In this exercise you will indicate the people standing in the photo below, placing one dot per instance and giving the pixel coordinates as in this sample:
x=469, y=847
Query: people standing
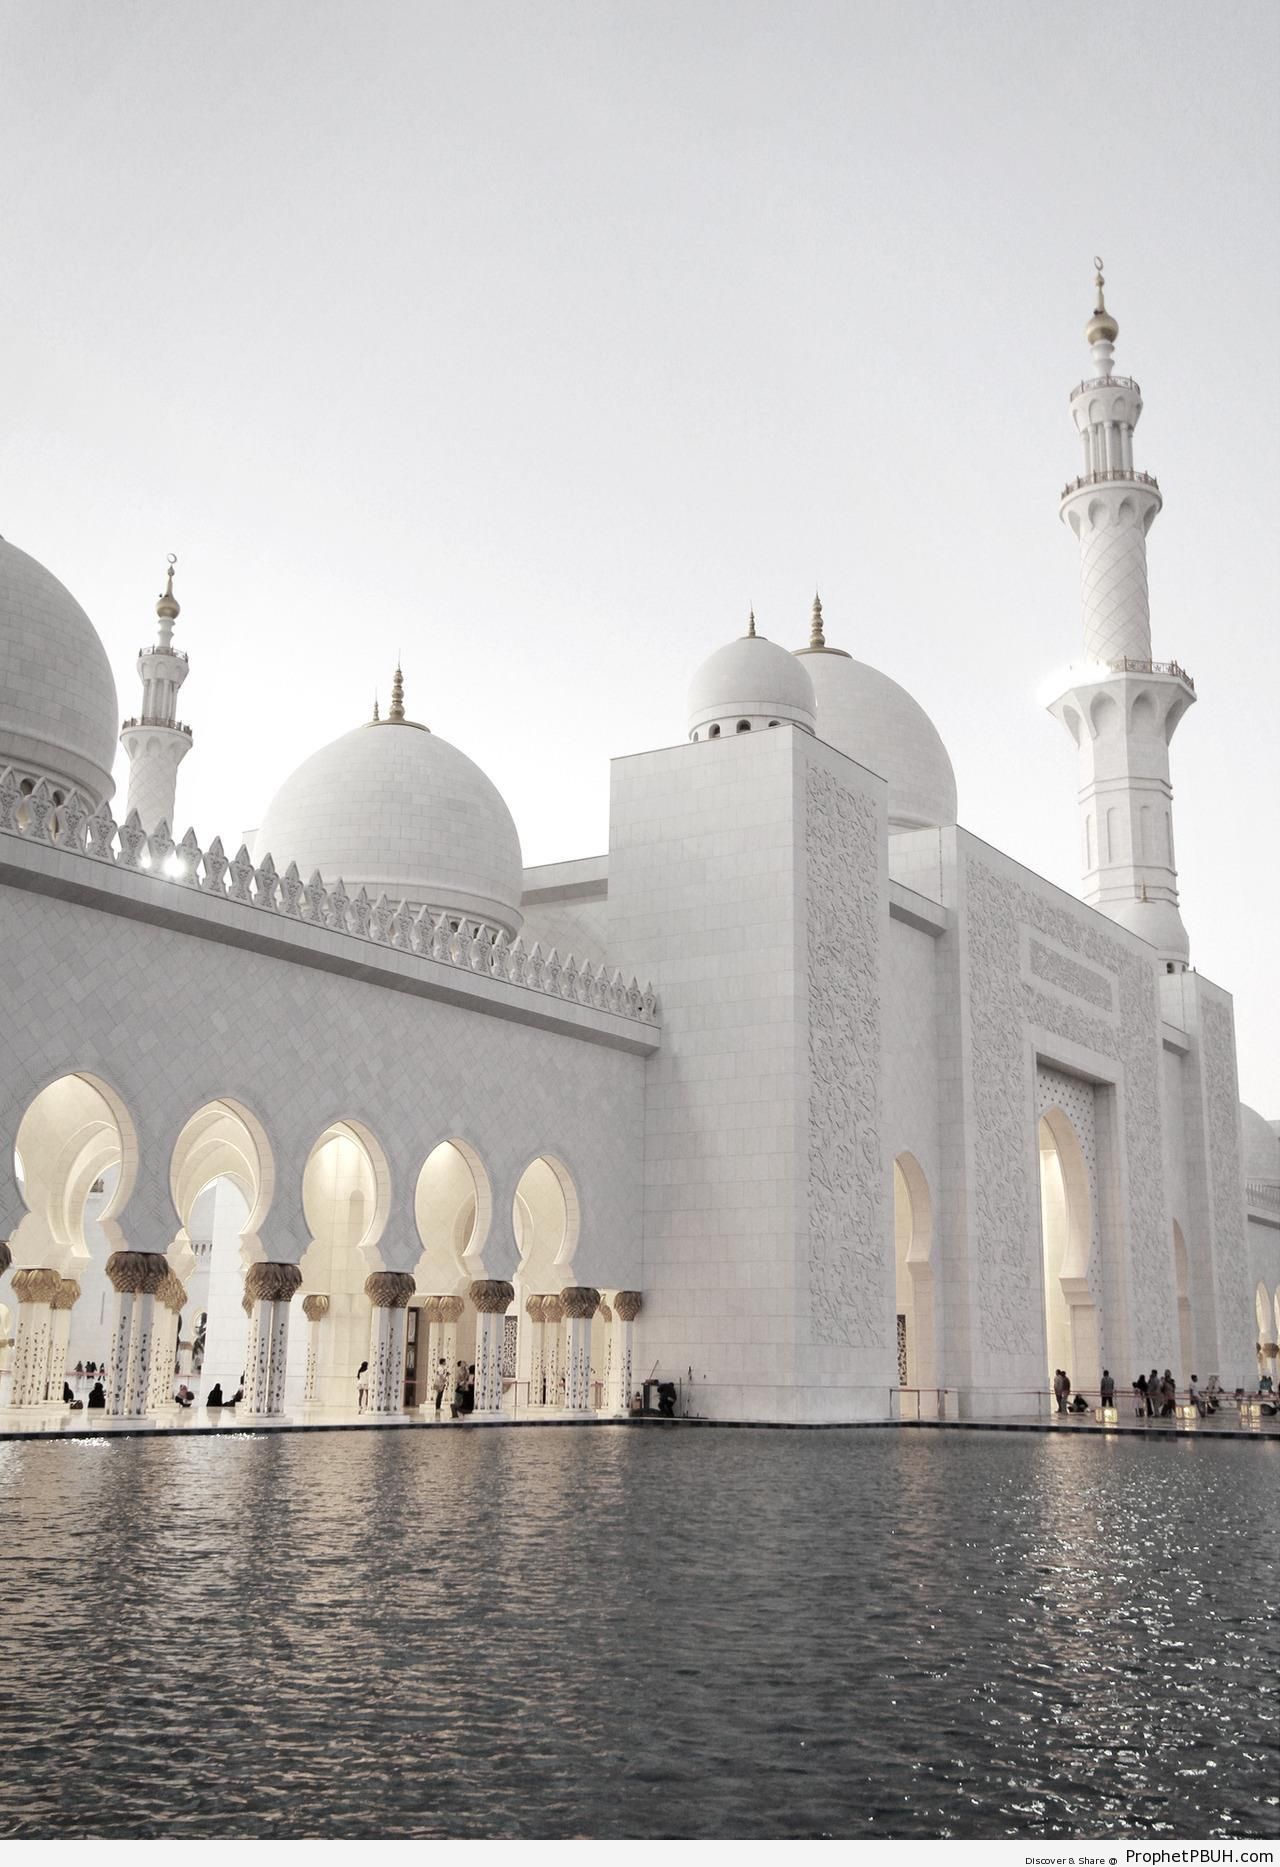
x=1060, y=1388
x=1142, y=1405
x=440, y=1382
x=362, y=1387
x=1153, y=1392
x=1107, y=1389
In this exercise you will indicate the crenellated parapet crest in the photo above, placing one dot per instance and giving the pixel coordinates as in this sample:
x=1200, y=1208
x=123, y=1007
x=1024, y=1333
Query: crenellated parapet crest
x=30, y=810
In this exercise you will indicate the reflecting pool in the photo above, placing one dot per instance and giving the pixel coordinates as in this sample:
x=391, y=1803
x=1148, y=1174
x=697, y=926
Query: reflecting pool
x=644, y=1632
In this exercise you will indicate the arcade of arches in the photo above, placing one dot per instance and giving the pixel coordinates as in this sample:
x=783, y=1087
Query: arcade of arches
x=332, y=1333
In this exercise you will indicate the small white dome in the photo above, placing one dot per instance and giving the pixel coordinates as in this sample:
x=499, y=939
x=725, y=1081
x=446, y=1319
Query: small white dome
x=1259, y=1146
x=754, y=681
x=59, y=717
x=868, y=717
x=396, y=810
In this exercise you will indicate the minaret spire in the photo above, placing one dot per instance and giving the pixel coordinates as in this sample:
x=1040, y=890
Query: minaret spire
x=1121, y=707
x=397, y=696
x=157, y=741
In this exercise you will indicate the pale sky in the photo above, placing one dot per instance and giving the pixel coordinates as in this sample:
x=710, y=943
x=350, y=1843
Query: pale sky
x=534, y=342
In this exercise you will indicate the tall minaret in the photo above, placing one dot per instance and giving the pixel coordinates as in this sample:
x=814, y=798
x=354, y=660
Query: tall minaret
x=157, y=741
x=1121, y=707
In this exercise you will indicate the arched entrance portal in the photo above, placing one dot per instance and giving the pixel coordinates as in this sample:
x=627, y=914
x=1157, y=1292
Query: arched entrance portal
x=1066, y=1226
x=1182, y=1284
x=344, y=1197
x=544, y=1215
x=913, y=1274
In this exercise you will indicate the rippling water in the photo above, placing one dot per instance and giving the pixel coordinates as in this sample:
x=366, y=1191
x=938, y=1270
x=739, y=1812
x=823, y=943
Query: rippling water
x=638, y=1632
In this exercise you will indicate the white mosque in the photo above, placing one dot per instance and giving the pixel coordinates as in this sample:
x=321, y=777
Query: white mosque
x=800, y=1097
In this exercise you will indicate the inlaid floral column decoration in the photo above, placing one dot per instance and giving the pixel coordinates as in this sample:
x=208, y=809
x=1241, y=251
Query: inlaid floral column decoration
x=626, y=1307
x=492, y=1297
x=450, y=1312
x=269, y=1289
x=171, y=1300
x=35, y=1291
x=552, y=1350
x=537, y=1330
x=63, y=1303
x=580, y=1305
x=389, y=1292
x=315, y=1308
x=135, y=1278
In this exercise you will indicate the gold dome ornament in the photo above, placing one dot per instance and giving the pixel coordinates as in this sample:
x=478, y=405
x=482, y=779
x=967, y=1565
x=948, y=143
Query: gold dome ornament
x=1102, y=327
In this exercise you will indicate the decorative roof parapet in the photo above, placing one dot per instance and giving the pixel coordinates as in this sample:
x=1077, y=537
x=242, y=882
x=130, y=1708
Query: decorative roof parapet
x=449, y=939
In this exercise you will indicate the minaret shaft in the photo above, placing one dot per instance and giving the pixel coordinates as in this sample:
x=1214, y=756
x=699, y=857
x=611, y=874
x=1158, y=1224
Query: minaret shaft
x=1120, y=707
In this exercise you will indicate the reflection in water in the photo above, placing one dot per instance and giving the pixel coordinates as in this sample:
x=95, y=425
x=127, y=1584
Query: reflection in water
x=637, y=1633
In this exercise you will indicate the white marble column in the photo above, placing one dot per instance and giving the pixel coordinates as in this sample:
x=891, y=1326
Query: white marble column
x=269, y=1289
x=492, y=1297
x=537, y=1333
x=580, y=1305
x=135, y=1277
x=451, y=1309
x=552, y=1350
x=389, y=1292
x=315, y=1308
x=35, y=1291
x=60, y=1335
x=626, y=1307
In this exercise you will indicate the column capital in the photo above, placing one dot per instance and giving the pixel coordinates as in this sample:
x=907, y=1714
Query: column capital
x=448, y=1309
x=492, y=1296
x=553, y=1309
x=272, y=1283
x=68, y=1293
x=137, y=1273
x=533, y=1308
x=173, y=1293
x=627, y=1304
x=36, y=1286
x=389, y=1289
x=315, y=1308
x=580, y=1301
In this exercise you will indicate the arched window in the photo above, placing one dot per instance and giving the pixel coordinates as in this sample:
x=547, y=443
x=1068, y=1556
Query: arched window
x=713, y=732
x=744, y=726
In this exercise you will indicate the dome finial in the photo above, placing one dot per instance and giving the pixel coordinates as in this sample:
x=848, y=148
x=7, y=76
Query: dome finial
x=397, y=695
x=816, y=637
x=1102, y=327
x=377, y=717
x=751, y=623
x=167, y=605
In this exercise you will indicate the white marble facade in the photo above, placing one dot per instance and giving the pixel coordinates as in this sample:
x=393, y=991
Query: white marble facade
x=800, y=1097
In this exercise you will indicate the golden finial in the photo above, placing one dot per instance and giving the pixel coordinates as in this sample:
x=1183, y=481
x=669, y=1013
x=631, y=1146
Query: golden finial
x=1102, y=327
x=167, y=604
x=816, y=638
x=397, y=696
x=751, y=624
x=377, y=717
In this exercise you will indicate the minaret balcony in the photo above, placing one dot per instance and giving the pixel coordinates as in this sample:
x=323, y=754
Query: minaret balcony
x=156, y=648
x=1105, y=382
x=1109, y=474
x=169, y=726
x=1127, y=665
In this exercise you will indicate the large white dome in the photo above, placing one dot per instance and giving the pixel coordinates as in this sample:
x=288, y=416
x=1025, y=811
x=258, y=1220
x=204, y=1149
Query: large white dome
x=1260, y=1147
x=868, y=717
x=59, y=717
x=747, y=684
x=396, y=810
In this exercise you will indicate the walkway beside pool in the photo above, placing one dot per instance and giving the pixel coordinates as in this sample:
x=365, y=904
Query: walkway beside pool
x=59, y=1423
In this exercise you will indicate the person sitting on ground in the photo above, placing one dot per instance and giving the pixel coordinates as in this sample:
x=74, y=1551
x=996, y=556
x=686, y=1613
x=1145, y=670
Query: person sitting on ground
x=236, y=1398
x=184, y=1396
x=1266, y=1385
x=215, y=1395
x=66, y=1391
x=1212, y=1395
x=1078, y=1405
x=96, y=1396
